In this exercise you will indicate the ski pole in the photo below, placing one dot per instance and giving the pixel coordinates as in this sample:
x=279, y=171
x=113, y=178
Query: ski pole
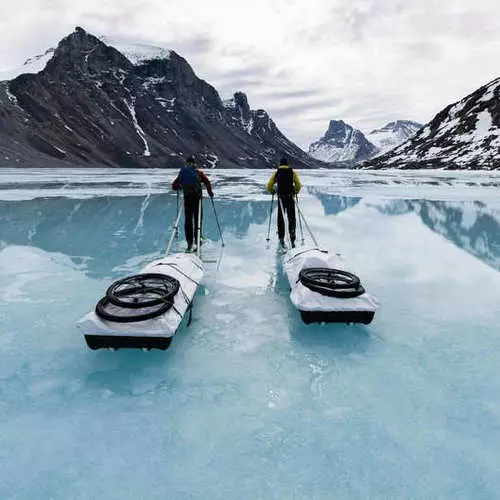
x=174, y=232
x=198, y=223
x=270, y=216
x=300, y=220
x=217, y=220
x=176, y=215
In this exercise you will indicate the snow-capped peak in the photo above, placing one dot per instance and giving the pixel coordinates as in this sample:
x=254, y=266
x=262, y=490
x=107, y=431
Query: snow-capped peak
x=136, y=53
x=341, y=142
x=32, y=65
x=393, y=134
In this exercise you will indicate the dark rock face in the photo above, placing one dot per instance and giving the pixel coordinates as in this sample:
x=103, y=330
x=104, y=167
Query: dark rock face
x=342, y=143
x=92, y=106
x=464, y=135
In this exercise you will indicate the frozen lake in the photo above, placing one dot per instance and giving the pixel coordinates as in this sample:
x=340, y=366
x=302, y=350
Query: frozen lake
x=249, y=402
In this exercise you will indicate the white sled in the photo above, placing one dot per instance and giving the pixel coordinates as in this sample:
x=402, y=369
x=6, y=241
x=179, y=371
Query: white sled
x=316, y=307
x=156, y=332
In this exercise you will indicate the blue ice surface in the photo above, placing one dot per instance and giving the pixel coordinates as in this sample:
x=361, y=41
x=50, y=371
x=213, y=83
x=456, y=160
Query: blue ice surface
x=249, y=402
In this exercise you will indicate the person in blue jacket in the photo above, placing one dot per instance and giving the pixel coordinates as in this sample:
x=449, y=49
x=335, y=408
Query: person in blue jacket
x=190, y=180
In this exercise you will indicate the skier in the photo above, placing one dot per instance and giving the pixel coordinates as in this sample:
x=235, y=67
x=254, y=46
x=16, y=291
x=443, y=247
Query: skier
x=190, y=179
x=288, y=185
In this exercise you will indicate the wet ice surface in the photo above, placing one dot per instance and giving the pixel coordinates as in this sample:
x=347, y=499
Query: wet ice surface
x=249, y=402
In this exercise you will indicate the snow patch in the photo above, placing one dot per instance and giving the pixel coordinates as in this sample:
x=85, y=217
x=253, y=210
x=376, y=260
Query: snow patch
x=32, y=65
x=151, y=81
x=212, y=160
x=137, y=53
x=482, y=128
x=138, y=128
x=166, y=103
x=120, y=75
x=490, y=93
x=426, y=132
x=483, y=125
x=12, y=98
x=248, y=126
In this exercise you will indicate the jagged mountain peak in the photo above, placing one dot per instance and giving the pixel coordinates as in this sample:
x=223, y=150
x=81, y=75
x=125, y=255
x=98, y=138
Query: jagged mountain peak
x=82, y=51
x=241, y=108
x=336, y=127
x=241, y=100
x=78, y=39
x=342, y=143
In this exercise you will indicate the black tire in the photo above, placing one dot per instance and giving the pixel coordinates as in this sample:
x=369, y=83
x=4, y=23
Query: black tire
x=136, y=288
x=110, y=312
x=138, y=298
x=331, y=282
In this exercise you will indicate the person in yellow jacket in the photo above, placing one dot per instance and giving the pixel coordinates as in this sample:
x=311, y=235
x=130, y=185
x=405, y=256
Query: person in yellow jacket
x=289, y=185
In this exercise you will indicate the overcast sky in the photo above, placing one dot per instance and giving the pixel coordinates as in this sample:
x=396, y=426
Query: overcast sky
x=304, y=61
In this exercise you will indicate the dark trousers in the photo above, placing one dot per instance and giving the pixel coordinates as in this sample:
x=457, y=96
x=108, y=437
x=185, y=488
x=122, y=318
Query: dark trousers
x=191, y=210
x=289, y=207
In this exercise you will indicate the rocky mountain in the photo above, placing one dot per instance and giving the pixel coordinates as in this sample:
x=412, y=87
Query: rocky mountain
x=464, y=135
x=93, y=102
x=393, y=134
x=342, y=143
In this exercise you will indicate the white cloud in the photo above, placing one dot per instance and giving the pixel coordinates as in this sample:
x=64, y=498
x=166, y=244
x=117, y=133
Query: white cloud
x=364, y=61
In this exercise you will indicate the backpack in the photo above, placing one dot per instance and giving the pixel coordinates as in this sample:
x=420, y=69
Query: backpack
x=284, y=179
x=190, y=181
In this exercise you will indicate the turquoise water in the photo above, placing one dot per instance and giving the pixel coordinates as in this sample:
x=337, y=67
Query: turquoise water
x=249, y=402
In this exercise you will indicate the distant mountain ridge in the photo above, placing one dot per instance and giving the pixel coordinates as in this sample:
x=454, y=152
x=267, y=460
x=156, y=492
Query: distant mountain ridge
x=87, y=103
x=343, y=143
x=464, y=135
x=393, y=134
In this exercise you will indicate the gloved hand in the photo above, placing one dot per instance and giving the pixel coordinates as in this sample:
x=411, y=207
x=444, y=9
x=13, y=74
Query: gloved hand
x=211, y=195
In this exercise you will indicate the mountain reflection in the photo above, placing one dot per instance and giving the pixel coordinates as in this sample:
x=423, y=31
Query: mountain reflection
x=333, y=204
x=471, y=226
x=106, y=231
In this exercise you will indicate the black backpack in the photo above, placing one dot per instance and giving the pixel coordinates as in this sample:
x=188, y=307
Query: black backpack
x=284, y=179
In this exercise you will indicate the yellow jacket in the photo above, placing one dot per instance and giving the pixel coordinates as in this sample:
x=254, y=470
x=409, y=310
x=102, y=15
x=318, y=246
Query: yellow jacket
x=272, y=181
